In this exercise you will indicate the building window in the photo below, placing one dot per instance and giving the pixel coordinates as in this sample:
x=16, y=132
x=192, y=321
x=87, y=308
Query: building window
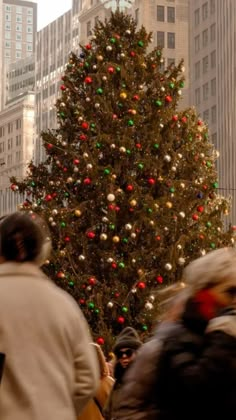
x=160, y=39
x=205, y=38
x=7, y=44
x=213, y=87
x=212, y=6
x=18, y=18
x=206, y=115
x=7, y=53
x=7, y=26
x=18, y=46
x=171, y=14
x=213, y=59
x=205, y=64
x=29, y=20
x=89, y=28
x=214, y=138
x=197, y=70
x=8, y=17
x=18, y=54
x=2, y=147
x=18, y=36
x=29, y=29
x=29, y=38
x=137, y=16
x=18, y=123
x=197, y=43
x=160, y=13
x=19, y=27
x=213, y=114
x=205, y=11
x=18, y=9
x=197, y=96
x=7, y=35
x=7, y=8
x=205, y=91
x=30, y=11
x=9, y=160
x=170, y=62
x=213, y=32
x=197, y=17
x=170, y=40
x=29, y=47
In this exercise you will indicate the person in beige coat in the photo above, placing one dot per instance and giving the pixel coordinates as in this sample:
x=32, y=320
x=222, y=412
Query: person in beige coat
x=50, y=370
x=94, y=409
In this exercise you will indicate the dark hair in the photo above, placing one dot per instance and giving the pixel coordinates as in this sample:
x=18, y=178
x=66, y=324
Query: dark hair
x=21, y=238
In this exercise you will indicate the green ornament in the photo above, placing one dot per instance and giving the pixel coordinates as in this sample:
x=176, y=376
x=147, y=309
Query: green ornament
x=71, y=283
x=121, y=265
x=158, y=103
x=181, y=84
x=215, y=185
x=63, y=224
x=208, y=224
x=93, y=125
x=107, y=171
x=209, y=165
x=149, y=211
x=213, y=245
x=140, y=44
x=125, y=240
x=118, y=69
x=62, y=114
x=113, y=40
x=128, y=152
x=100, y=91
x=96, y=311
x=125, y=309
x=86, y=64
x=156, y=146
x=172, y=85
x=112, y=226
x=98, y=145
x=32, y=184
x=172, y=190
x=130, y=123
x=120, y=105
x=39, y=201
x=140, y=166
x=144, y=327
x=67, y=194
x=91, y=305
x=123, y=85
x=158, y=53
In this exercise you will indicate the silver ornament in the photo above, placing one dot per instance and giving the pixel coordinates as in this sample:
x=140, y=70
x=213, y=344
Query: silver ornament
x=168, y=267
x=110, y=305
x=81, y=257
x=167, y=158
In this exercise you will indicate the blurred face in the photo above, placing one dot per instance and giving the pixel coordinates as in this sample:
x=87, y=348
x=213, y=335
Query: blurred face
x=125, y=357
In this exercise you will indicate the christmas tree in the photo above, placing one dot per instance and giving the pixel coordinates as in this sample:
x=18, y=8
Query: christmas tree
x=129, y=185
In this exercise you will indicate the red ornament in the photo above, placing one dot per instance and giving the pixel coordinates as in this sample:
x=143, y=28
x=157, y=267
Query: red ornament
x=48, y=197
x=114, y=265
x=200, y=209
x=138, y=145
x=159, y=279
x=83, y=137
x=76, y=161
x=168, y=98
x=132, y=53
x=82, y=301
x=63, y=87
x=88, y=80
x=199, y=122
x=65, y=169
x=111, y=207
x=195, y=217
x=49, y=146
x=100, y=341
x=141, y=285
x=85, y=125
x=205, y=187
x=120, y=319
x=184, y=119
x=54, y=195
x=175, y=118
x=67, y=239
x=92, y=281
x=114, y=116
x=136, y=98
x=88, y=47
x=117, y=208
x=158, y=238
x=233, y=228
x=13, y=187
x=111, y=70
x=151, y=181
x=201, y=236
x=91, y=235
x=60, y=275
x=87, y=181
x=129, y=188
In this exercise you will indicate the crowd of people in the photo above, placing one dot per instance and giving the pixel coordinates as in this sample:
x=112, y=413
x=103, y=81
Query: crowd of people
x=51, y=369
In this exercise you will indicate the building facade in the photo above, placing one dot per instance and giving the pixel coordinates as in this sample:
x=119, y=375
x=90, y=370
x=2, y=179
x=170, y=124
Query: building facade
x=20, y=78
x=213, y=84
x=18, y=26
x=16, y=147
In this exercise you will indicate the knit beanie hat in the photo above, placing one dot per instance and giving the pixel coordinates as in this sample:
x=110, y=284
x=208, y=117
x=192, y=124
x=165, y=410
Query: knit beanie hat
x=128, y=338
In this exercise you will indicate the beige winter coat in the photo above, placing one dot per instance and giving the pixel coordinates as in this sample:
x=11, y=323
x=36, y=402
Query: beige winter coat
x=51, y=370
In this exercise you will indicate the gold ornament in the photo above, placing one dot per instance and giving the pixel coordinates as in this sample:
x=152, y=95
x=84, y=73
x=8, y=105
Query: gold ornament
x=116, y=239
x=62, y=253
x=169, y=205
x=78, y=213
x=99, y=57
x=123, y=95
x=133, y=203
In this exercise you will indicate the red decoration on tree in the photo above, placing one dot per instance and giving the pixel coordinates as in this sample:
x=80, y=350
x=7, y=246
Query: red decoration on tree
x=184, y=119
x=168, y=98
x=60, y=275
x=67, y=239
x=195, y=217
x=200, y=209
x=87, y=181
x=92, y=281
x=111, y=70
x=100, y=341
x=83, y=137
x=132, y=53
x=76, y=161
x=141, y=285
x=88, y=47
x=63, y=87
x=49, y=146
x=88, y=80
x=82, y=301
x=129, y=188
x=175, y=118
x=48, y=197
x=159, y=279
x=85, y=125
x=91, y=235
x=121, y=320
x=136, y=98
x=151, y=181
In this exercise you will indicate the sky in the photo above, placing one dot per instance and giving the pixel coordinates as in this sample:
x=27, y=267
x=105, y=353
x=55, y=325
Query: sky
x=49, y=10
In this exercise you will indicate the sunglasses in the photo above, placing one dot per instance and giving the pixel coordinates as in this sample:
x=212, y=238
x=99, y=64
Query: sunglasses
x=127, y=353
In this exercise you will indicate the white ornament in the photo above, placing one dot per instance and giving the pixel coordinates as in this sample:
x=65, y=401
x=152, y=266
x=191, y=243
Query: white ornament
x=89, y=288
x=128, y=226
x=88, y=100
x=182, y=214
x=151, y=298
x=110, y=305
x=133, y=261
x=81, y=257
x=85, y=155
x=112, y=146
x=111, y=197
x=180, y=155
x=163, y=89
x=203, y=252
x=69, y=180
x=148, y=306
x=53, y=224
x=128, y=31
x=168, y=267
x=174, y=168
x=89, y=166
x=181, y=261
x=50, y=219
x=110, y=260
x=133, y=235
x=167, y=158
x=122, y=149
x=64, y=143
x=105, y=219
x=54, y=212
x=94, y=67
x=104, y=78
x=76, y=169
x=109, y=48
x=97, y=105
x=161, y=125
x=179, y=92
x=179, y=247
x=182, y=185
x=134, y=290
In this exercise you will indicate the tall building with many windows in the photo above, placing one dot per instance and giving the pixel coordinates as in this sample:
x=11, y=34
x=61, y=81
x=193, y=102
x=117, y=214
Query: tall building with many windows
x=213, y=81
x=18, y=26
